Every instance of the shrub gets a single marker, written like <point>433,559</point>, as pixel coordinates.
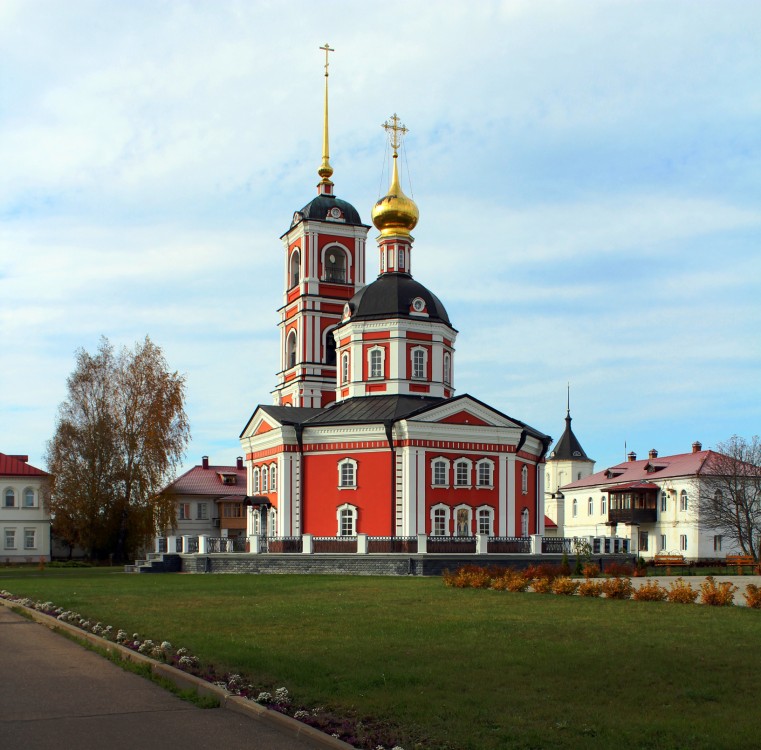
<point>544,570</point>
<point>590,588</point>
<point>542,585</point>
<point>617,569</point>
<point>617,588</point>
<point>591,570</point>
<point>650,592</point>
<point>753,596</point>
<point>680,592</point>
<point>565,586</point>
<point>468,576</point>
<point>511,580</point>
<point>717,594</point>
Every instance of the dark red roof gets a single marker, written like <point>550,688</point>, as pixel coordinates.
<point>17,466</point>
<point>549,523</point>
<point>633,486</point>
<point>200,481</point>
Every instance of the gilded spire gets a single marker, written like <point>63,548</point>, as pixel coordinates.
<point>325,170</point>
<point>395,213</point>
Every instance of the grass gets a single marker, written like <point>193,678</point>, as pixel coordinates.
<point>453,668</point>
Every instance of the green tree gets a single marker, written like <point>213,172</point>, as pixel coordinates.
<point>119,437</point>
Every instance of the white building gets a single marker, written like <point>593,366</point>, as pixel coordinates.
<point>24,517</point>
<point>653,502</point>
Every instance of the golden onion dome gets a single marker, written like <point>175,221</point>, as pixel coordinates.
<point>395,213</point>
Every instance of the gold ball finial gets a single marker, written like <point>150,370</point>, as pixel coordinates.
<point>395,213</point>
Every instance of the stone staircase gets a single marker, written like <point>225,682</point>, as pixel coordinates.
<point>156,562</point>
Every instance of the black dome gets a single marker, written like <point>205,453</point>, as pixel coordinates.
<point>319,207</point>
<point>391,295</point>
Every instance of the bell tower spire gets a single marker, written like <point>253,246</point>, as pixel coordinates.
<point>325,186</point>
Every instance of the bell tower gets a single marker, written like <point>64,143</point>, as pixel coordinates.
<point>324,267</point>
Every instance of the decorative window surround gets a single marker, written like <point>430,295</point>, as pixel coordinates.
<point>524,479</point>
<point>485,474</point>
<point>440,516</point>
<point>463,520</point>
<point>347,474</point>
<point>376,363</point>
<point>273,477</point>
<point>346,516</point>
<point>440,478</point>
<point>418,363</point>
<point>485,516</point>
<point>462,473</point>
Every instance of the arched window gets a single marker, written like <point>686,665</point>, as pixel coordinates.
<point>347,520</point>
<point>256,480</point>
<point>524,480</point>
<point>29,498</point>
<point>418,363</point>
<point>462,473</point>
<point>335,265</point>
<point>273,522</point>
<point>347,474</point>
<point>375,358</point>
<point>604,505</point>
<point>10,498</point>
<point>485,521</point>
<point>440,469</point>
<point>345,367</point>
<point>590,507</point>
<point>273,477</point>
<point>265,478</point>
<point>291,350</point>
<point>447,368</point>
<point>484,471</point>
<point>575,506</point>
<point>524,522</point>
<point>683,500</point>
<point>294,272</point>
<point>440,520</point>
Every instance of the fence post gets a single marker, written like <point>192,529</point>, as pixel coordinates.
<point>185,543</point>
<point>202,543</point>
<point>254,544</point>
<point>361,544</point>
<point>536,544</point>
<point>422,544</point>
<point>171,544</point>
<point>482,544</point>
<point>306,544</point>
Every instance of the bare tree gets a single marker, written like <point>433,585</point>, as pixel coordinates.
<point>730,492</point>
<point>119,437</point>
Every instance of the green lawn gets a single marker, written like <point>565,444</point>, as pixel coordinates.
<point>453,668</point>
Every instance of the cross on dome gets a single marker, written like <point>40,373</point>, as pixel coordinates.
<point>396,131</point>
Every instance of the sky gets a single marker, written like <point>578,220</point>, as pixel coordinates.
<point>588,176</point>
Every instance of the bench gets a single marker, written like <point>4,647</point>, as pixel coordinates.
<point>667,561</point>
<point>739,561</point>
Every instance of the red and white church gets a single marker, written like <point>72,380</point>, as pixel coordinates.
<point>366,434</point>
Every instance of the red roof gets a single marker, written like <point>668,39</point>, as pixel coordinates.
<point>17,466</point>
<point>549,523</point>
<point>200,481</point>
<point>634,486</point>
<point>646,470</point>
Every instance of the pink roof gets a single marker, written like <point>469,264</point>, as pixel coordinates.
<point>17,466</point>
<point>646,470</point>
<point>200,481</point>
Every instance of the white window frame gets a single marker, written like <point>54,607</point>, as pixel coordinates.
<point>683,501</point>
<point>524,480</point>
<point>351,510</point>
<point>273,522</point>
<point>346,257</point>
<point>26,501</point>
<point>574,508</point>
<point>488,464</point>
<point>273,477</point>
<point>420,373</point>
<point>341,464</point>
<point>644,536</point>
<point>590,507</point>
<point>447,368</point>
<point>9,538</point>
<point>255,484</point>
<point>9,493</point>
<point>663,543</point>
<point>456,513</point>
<point>717,539</point>
<point>345,367</point>
<point>294,264</point>
<point>604,505</point>
<point>524,522</point>
<point>469,479</point>
<point>291,349</point>
<point>489,513</point>
<point>370,369</point>
<point>447,466</point>
<point>664,501</point>
<point>447,519</point>
<point>30,534</point>
<point>683,542</point>
<point>265,479</point>
<point>202,511</point>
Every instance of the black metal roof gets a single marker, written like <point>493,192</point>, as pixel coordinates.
<point>369,409</point>
<point>568,448</point>
<point>318,209</point>
<point>290,414</point>
<point>391,295</point>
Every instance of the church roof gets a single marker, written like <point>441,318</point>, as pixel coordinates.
<point>568,448</point>
<point>363,409</point>
<point>17,466</point>
<point>318,208</point>
<point>289,414</point>
<point>391,295</point>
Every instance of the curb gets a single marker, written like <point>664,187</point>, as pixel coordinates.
<point>185,681</point>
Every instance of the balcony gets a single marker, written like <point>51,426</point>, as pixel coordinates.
<point>632,515</point>
<point>633,503</point>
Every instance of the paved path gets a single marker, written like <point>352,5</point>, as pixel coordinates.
<point>55,694</point>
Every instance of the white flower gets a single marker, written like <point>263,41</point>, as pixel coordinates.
<point>303,715</point>
<point>264,697</point>
<point>281,696</point>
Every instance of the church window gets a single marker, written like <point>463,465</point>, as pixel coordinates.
<point>484,521</point>
<point>256,480</point>
<point>330,348</point>
<point>10,498</point>
<point>273,477</point>
<point>295,267</point>
<point>462,473</point>
<point>347,520</point>
<point>29,498</point>
<point>265,478</point>
<point>345,367</point>
<point>575,506</point>
<point>335,265</point>
<point>484,473</point>
<point>291,350</point>
<point>590,507</point>
<point>418,363</point>
<point>447,368</point>
<point>440,520</point>
<point>524,522</point>
<point>524,480</point>
<point>273,522</point>
<point>683,500</point>
<point>440,472</point>
<point>401,260</point>
<point>462,521</point>
<point>375,357</point>
<point>347,473</point>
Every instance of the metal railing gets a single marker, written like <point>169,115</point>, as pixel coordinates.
<point>392,544</point>
<point>226,544</point>
<point>323,544</point>
<point>451,544</point>
<point>556,545</point>
<point>509,544</point>
<point>280,544</point>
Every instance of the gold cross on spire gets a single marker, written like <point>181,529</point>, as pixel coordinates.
<point>396,131</point>
<point>327,49</point>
